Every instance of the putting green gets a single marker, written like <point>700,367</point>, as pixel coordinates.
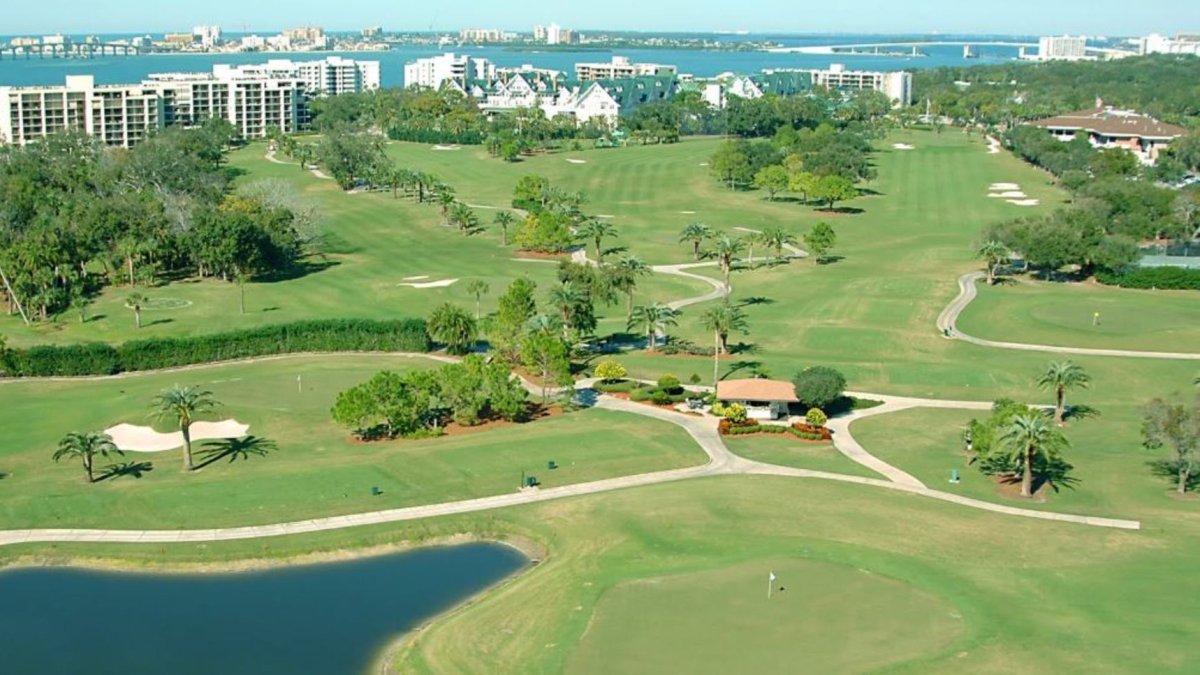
<point>821,618</point>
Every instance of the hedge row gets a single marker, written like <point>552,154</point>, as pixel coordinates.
<point>1167,278</point>
<point>338,335</point>
<point>435,136</point>
<point>804,431</point>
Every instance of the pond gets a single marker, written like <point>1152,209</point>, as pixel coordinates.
<point>325,618</point>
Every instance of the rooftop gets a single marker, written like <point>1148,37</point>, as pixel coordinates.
<point>756,390</point>
<point>1110,121</point>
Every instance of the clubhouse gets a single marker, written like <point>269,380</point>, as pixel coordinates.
<point>1107,127</point>
<point>763,399</point>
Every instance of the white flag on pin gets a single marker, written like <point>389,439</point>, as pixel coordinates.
<point>771,577</point>
<point>770,583</point>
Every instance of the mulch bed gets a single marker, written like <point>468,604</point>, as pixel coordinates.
<point>536,412</point>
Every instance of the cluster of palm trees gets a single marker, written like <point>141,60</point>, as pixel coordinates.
<point>725,248</point>
<point>176,404</point>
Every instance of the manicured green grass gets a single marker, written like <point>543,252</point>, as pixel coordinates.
<point>720,621</point>
<point>789,451</point>
<point>315,469</point>
<point>1062,314</point>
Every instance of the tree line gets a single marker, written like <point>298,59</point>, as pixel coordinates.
<point>76,216</point>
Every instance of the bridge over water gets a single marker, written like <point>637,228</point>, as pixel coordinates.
<point>862,48</point>
<point>68,50</point>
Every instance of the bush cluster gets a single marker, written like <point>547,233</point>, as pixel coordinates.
<point>336,335</point>
<point>727,427</point>
<point>1166,278</point>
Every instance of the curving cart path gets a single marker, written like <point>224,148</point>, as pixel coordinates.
<point>703,430</point>
<point>967,292</point>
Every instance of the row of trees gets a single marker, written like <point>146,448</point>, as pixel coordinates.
<point>75,216</point>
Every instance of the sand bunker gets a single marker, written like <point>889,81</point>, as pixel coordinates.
<point>703,163</point>
<point>132,438</point>
<point>688,213</point>
<point>577,161</point>
<point>1000,187</point>
<point>446,147</point>
<point>993,145</point>
<point>420,278</point>
<point>605,216</point>
<point>1011,194</point>
<point>432,284</point>
<point>904,146</point>
<point>1023,202</point>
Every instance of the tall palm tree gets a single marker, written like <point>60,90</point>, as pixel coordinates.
<point>135,301</point>
<point>1027,438</point>
<point>725,248</point>
<point>477,288</point>
<point>86,446</point>
<point>453,326</point>
<point>565,298</point>
<point>777,238</point>
<point>181,405</point>
<point>596,231</point>
<point>625,276</point>
<point>697,234</point>
<point>723,320</point>
<point>504,220</point>
<point>993,253</point>
<point>1061,376</point>
<point>446,200</point>
<point>655,319</point>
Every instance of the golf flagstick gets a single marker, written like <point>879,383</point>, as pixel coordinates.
<point>770,583</point>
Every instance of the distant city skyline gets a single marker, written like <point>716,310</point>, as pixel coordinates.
<point>1016,17</point>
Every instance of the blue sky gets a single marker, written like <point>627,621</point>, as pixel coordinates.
<point>1093,17</point>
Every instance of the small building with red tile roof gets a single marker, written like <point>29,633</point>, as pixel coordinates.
<point>1108,127</point>
<point>763,399</point>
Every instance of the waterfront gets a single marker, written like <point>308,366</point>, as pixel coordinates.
<point>702,63</point>
<point>326,618</point>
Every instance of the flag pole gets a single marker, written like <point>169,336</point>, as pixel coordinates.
<point>770,582</point>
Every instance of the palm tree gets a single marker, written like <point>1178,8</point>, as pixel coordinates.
<point>993,253</point>
<point>723,320</point>
<point>463,217</point>
<point>135,301</point>
<point>1027,438</point>
<point>181,405</point>
<point>725,249</point>
<point>504,220</point>
<point>596,231</point>
<point>453,327</point>
<point>86,446</point>
<point>654,318</point>
<point>565,298</point>
<point>446,199</point>
<point>777,238</point>
<point>477,288</point>
<point>696,233</point>
<point>624,279</point>
<point>1061,376</point>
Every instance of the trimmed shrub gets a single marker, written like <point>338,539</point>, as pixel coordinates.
<point>660,397</point>
<point>610,370</point>
<point>735,413</point>
<point>335,335</point>
<point>816,418</point>
<point>618,387</point>
<point>811,433</point>
<point>669,384</point>
<point>1165,278</point>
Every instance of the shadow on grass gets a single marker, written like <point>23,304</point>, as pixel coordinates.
<point>299,270</point>
<point>1168,469</point>
<point>756,300</point>
<point>842,210</point>
<point>830,259</point>
<point>157,322</point>
<point>234,449</point>
<point>126,470</point>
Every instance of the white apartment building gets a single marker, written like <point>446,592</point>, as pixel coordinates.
<point>254,98</point>
<point>207,36</point>
<point>619,67</point>
<point>1161,44</point>
<point>435,71</point>
<point>896,85</point>
<point>480,35</point>
<point>1064,48</point>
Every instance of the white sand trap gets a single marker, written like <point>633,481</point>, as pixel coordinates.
<point>1000,187</point>
<point>993,145</point>
<point>132,438</point>
<point>446,147</point>
<point>420,278</point>
<point>433,284</point>
<point>703,163</point>
<point>606,216</point>
<point>577,161</point>
<point>904,146</point>
<point>688,213</point>
<point>1011,194</point>
<point>1023,202</point>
